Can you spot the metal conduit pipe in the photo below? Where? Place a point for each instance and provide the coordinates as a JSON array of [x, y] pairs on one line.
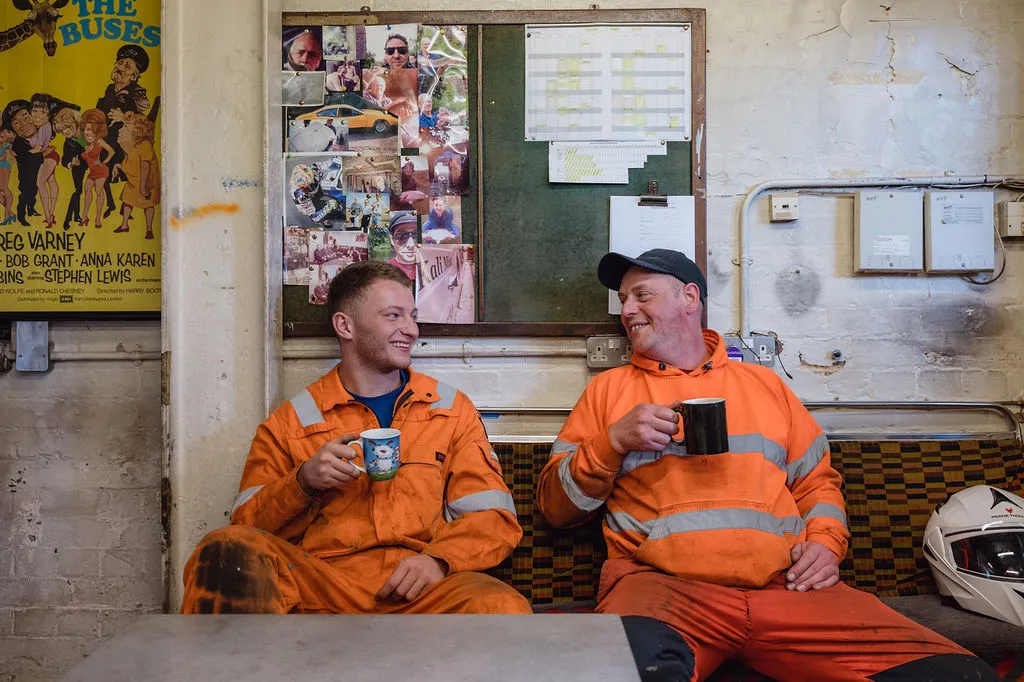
[[1003, 410], [96, 356], [462, 350], [837, 184]]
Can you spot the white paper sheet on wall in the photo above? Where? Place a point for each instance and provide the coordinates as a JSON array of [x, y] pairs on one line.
[[634, 229], [598, 162], [608, 82]]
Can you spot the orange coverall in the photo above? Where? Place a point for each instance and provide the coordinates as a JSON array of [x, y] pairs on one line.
[[702, 542], [331, 552]]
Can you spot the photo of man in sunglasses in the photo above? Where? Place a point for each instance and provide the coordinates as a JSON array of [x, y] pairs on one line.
[[396, 53]]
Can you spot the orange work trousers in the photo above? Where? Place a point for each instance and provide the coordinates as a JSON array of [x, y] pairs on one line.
[[836, 633], [239, 569]]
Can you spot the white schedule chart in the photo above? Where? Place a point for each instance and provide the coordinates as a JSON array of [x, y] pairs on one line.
[[587, 82]]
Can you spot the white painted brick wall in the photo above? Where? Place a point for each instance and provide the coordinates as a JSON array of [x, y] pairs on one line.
[[80, 468]]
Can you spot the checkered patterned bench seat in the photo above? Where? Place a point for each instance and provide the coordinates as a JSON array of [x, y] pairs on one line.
[[890, 487]]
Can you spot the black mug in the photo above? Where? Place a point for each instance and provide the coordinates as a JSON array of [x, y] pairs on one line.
[[704, 426]]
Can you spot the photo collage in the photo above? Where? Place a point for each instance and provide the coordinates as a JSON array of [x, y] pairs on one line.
[[376, 159]]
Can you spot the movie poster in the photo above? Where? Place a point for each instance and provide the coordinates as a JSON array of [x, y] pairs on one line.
[[79, 156]]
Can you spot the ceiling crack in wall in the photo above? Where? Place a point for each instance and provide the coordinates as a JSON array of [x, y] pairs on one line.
[[959, 68], [842, 25], [821, 33], [892, 54]]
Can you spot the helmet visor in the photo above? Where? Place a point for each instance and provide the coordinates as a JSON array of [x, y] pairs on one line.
[[994, 555]]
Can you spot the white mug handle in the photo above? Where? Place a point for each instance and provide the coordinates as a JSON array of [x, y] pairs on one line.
[[359, 443]]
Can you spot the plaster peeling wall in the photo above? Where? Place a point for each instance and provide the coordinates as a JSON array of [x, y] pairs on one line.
[[842, 89], [852, 89]]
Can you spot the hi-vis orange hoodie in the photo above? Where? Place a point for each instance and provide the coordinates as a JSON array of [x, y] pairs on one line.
[[729, 519]]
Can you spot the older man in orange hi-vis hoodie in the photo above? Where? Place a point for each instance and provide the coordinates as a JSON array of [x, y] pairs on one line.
[[311, 533], [733, 555]]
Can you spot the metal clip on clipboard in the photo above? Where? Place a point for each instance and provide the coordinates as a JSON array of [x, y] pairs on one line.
[[652, 198]]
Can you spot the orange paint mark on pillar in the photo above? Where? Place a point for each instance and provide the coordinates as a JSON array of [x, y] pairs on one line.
[[184, 216]]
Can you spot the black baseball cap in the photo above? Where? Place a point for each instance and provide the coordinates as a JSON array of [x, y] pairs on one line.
[[613, 267], [401, 218]]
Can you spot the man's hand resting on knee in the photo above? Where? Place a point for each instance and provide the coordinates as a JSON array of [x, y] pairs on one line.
[[411, 576], [814, 567]]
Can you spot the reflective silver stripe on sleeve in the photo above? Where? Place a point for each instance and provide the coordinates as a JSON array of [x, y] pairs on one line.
[[244, 497], [638, 458], [481, 501], [572, 490], [707, 519], [826, 509], [560, 446], [805, 464], [621, 521], [306, 409], [749, 442], [445, 396], [494, 456]]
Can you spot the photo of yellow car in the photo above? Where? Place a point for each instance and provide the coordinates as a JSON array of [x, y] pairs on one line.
[[380, 121]]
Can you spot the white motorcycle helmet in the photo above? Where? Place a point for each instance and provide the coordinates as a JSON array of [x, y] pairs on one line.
[[975, 546]]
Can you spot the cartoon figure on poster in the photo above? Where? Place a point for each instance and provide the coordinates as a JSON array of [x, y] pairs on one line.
[[141, 170], [124, 95], [41, 21], [6, 161], [95, 157], [17, 118], [67, 120], [42, 144]]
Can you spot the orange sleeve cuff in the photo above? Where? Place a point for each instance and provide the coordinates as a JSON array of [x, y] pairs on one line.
[[603, 454]]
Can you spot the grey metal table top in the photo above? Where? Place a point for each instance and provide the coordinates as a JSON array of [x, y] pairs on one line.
[[315, 648]]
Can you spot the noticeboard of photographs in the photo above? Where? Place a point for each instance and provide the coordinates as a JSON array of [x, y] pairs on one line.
[[376, 159]]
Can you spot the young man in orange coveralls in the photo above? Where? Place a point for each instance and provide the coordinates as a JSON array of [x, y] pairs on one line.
[[311, 533], [712, 557]]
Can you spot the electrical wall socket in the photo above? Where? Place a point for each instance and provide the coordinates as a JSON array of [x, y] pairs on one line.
[[759, 349], [784, 208], [608, 351], [1011, 218]]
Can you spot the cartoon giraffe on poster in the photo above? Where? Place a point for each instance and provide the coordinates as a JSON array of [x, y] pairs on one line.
[[42, 20]]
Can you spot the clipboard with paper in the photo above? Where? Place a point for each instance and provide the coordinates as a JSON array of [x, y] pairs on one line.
[[637, 224]]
